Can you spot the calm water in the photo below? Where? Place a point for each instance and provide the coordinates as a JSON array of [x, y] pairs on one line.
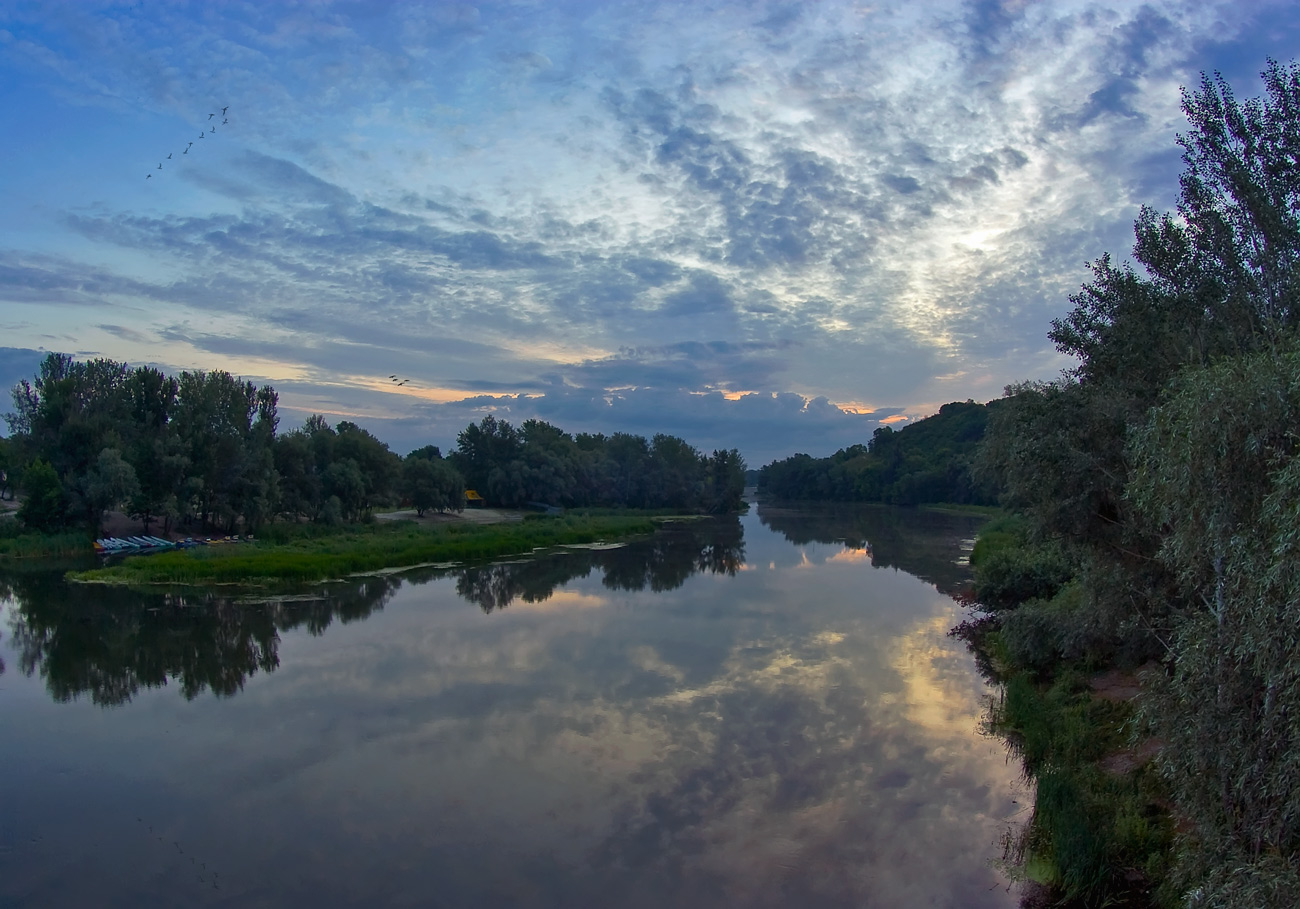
[[763, 712]]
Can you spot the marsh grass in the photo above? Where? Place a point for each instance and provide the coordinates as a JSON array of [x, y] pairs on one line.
[[18, 543], [295, 553]]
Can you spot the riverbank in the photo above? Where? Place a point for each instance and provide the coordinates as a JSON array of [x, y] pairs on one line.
[[304, 553], [1101, 832]]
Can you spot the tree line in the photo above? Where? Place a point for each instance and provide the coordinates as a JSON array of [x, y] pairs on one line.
[[926, 462], [540, 463], [1158, 485], [204, 449]]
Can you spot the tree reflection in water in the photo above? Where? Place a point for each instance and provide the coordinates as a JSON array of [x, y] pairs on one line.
[[664, 562], [918, 541], [110, 642]]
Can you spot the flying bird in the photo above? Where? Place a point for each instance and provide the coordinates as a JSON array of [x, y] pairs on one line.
[[160, 165], [200, 135], [169, 156], [187, 149], [224, 122], [224, 109], [210, 116], [148, 176], [213, 130]]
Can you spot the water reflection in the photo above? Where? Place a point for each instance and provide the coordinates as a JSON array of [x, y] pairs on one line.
[[109, 643], [660, 564], [716, 718], [923, 543]]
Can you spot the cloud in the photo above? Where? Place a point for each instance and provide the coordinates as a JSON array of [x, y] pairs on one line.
[[881, 206]]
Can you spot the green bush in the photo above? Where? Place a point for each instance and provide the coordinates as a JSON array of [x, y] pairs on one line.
[[1041, 634], [1010, 575]]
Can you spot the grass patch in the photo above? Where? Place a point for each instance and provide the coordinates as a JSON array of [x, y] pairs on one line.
[[19, 543], [1092, 827], [295, 553]]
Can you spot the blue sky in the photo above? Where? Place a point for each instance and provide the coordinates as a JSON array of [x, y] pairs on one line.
[[757, 225]]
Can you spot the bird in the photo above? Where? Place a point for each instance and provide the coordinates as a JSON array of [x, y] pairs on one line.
[[210, 116], [148, 176], [200, 135], [224, 122], [160, 165], [403, 382], [169, 156], [224, 109], [187, 151], [213, 130], [393, 377], [191, 143]]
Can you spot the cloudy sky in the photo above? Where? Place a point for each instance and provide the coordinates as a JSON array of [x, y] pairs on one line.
[[760, 225]]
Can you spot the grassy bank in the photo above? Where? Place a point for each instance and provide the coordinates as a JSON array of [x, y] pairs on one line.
[[1100, 833], [298, 554], [17, 543]]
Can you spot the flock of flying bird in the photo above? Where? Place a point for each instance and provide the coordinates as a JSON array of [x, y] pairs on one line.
[[202, 133], [393, 379]]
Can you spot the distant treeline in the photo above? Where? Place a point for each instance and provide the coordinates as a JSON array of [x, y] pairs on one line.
[[204, 448], [928, 461]]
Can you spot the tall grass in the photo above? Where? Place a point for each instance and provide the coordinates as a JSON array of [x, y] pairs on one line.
[[1091, 826], [18, 543], [305, 556]]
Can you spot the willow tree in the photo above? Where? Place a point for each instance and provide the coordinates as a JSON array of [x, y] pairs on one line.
[[1217, 470]]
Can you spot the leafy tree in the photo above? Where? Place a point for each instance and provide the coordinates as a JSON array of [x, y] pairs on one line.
[[432, 483], [109, 484], [1218, 471], [45, 507], [725, 482]]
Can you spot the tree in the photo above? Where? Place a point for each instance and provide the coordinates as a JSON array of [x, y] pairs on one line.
[[1217, 469], [45, 508], [432, 483], [724, 482]]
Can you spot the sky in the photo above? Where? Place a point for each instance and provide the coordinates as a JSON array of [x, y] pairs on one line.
[[767, 226]]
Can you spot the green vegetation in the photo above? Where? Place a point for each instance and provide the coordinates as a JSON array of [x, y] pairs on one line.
[[539, 463], [16, 542], [313, 556], [926, 462], [1156, 491], [203, 449]]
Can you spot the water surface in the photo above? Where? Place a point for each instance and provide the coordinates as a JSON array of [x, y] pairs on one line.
[[753, 712]]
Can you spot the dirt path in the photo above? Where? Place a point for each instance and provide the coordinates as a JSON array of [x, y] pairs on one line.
[[468, 516]]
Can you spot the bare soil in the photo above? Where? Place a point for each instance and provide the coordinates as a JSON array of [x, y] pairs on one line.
[[468, 516]]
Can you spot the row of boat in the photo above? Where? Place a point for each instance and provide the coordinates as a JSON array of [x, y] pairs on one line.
[[121, 545]]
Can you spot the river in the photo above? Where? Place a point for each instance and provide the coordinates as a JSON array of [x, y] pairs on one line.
[[755, 712]]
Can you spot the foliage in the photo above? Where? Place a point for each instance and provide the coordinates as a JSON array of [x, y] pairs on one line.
[[1013, 574], [430, 482], [1089, 825], [1167, 466], [360, 549], [45, 508], [1218, 469], [540, 464], [926, 462]]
